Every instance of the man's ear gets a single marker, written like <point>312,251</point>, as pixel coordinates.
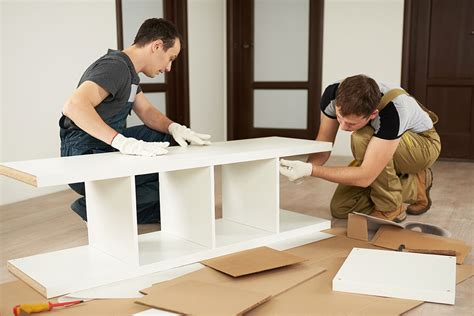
<point>374,114</point>
<point>156,45</point>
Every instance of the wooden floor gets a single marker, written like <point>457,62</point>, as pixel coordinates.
<point>46,223</point>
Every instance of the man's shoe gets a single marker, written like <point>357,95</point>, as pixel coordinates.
<point>424,181</point>
<point>397,216</point>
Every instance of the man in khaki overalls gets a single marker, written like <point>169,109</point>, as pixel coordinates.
<point>393,143</point>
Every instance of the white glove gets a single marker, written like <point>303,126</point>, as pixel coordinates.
<point>182,134</point>
<point>294,169</point>
<point>132,146</point>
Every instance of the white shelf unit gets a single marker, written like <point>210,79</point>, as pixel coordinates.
<point>251,216</point>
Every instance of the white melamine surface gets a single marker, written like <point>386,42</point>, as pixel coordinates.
<point>78,268</point>
<point>63,170</point>
<point>160,246</point>
<point>292,220</point>
<point>414,276</point>
<point>229,233</point>
<point>187,204</point>
<point>112,218</point>
<point>251,193</point>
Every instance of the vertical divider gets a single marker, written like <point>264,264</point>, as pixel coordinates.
<point>112,217</point>
<point>251,194</point>
<point>187,205</point>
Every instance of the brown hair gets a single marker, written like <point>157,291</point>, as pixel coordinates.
<point>154,29</point>
<point>358,95</point>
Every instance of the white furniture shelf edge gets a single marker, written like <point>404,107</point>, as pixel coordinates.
<point>63,170</point>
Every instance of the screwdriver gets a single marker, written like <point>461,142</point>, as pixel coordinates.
<point>41,307</point>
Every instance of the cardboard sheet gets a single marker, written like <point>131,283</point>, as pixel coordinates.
<point>363,227</point>
<point>192,297</point>
<point>272,282</point>
<point>252,261</point>
<point>391,237</point>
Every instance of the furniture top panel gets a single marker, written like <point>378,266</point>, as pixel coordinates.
<point>63,170</point>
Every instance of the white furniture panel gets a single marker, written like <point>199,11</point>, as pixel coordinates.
<point>59,272</point>
<point>112,218</point>
<point>187,204</point>
<point>62,170</point>
<point>251,194</point>
<point>430,278</point>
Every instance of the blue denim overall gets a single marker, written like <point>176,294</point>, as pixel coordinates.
<point>77,142</point>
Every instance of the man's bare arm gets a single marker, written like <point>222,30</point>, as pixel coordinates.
<point>80,108</point>
<point>150,115</point>
<point>378,154</point>
<point>327,133</point>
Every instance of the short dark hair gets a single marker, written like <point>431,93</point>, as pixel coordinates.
<point>358,95</point>
<point>154,29</point>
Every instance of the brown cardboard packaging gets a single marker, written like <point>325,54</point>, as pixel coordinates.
<point>392,237</point>
<point>271,282</point>
<point>387,234</point>
<point>191,297</point>
<point>252,261</point>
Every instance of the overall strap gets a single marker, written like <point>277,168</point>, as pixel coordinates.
<point>389,96</point>
<point>392,94</point>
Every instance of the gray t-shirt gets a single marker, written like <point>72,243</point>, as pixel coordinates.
<point>115,73</point>
<point>402,114</point>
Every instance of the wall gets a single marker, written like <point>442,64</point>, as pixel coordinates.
<point>362,36</point>
<point>207,67</point>
<point>46,46</point>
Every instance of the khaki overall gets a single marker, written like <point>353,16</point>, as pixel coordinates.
<point>396,184</point>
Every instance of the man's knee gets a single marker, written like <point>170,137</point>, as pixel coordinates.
<point>339,208</point>
<point>360,140</point>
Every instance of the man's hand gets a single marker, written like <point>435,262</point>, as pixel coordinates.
<point>132,146</point>
<point>294,169</point>
<point>182,134</point>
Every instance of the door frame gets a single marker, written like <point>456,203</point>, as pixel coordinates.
<point>176,86</point>
<point>240,83</point>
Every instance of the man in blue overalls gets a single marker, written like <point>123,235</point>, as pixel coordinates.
<point>94,117</point>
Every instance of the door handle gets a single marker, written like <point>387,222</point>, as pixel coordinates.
<point>247,45</point>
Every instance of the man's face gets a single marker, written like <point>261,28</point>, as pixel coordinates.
<point>161,60</point>
<point>353,122</point>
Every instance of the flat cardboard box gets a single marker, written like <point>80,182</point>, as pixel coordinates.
<point>271,282</point>
<point>252,261</point>
<point>387,234</point>
<point>191,297</point>
<point>358,223</point>
<point>392,237</point>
